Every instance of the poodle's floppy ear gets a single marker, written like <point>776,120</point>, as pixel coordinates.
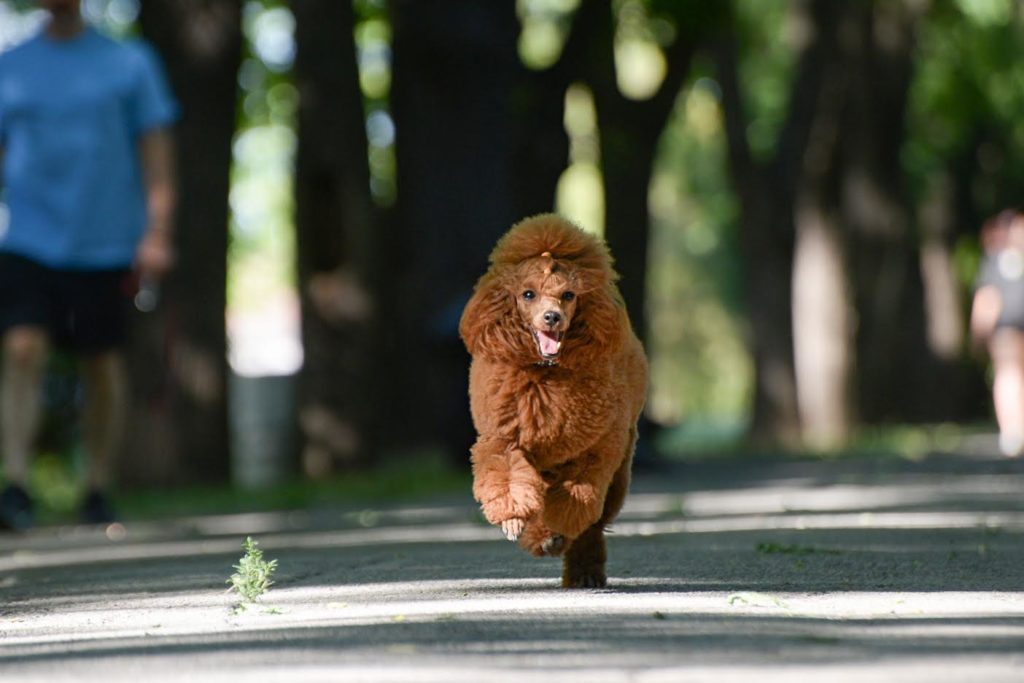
<point>601,321</point>
<point>489,306</point>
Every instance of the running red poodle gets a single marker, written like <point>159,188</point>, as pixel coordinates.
<point>556,386</point>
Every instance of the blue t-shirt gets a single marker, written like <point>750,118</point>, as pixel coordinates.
<point>71,113</point>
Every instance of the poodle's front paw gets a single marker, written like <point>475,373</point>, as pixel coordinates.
<point>499,510</point>
<point>521,503</point>
<point>512,528</point>
<point>507,486</point>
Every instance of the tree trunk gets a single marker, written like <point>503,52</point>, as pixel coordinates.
<point>334,229</point>
<point>627,167</point>
<point>768,194</point>
<point>956,390</point>
<point>766,250</point>
<point>891,339</point>
<point>540,151</point>
<point>629,134</point>
<point>823,322</point>
<point>822,328</point>
<point>944,313</point>
<point>200,42</point>
<point>455,65</point>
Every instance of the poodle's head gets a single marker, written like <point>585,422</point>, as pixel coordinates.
<point>547,301</point>
<point>548,298</point>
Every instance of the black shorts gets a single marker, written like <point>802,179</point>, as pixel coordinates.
<point>83,310</point>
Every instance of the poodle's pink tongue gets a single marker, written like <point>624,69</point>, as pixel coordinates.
<point>549,344</point>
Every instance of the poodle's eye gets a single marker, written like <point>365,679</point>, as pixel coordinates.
<point>568,296</point>
<point>529,294</point>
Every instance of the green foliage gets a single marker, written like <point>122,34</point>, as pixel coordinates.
<point>701,369</point>
<point>261,254</point>
<point>963,125</point>
<point>965,102</point>
<point>262,248</point>
<point>20,18</point>
<point>403,478</point>
<point>252,577</point>
<point>268,95</point>
<point>373,47</point>
<point>722,440</point>
<point>545,26</point>
<point>768,37</point>
<point>963,120</point>
<point>54,484</point>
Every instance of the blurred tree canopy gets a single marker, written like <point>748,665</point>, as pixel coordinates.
<point>792,190</point>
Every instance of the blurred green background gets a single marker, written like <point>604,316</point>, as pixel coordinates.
<point>378,150</point>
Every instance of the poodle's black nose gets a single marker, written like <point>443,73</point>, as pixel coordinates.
<point>552,317</point>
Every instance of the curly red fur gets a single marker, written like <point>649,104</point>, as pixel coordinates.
<point>556,432</point>
<point>488,326</point>
<point>552,234</point>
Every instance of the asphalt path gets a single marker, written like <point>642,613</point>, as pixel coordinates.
<point>763,570</point>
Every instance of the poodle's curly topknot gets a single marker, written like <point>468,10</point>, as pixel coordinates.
<point>490,325</point>
<point>548,232</point>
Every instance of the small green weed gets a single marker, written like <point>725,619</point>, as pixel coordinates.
<point>756,600</point>
<point>781,549</point>
<point>253,575</point>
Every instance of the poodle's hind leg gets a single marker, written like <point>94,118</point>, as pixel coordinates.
<point>538,540</point>
<point>507,486</point>
<point>583,564</point>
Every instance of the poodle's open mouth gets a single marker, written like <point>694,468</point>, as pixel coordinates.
<point>549,343</point>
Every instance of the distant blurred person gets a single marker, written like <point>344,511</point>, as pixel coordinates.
<point>997,321</point>
<point>86,171</point>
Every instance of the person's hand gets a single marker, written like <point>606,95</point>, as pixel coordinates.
<point>155,256</point>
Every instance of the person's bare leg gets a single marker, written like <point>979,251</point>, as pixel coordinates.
<point>1008,388</point>
<point>103,415</point>
<point>26,349</point>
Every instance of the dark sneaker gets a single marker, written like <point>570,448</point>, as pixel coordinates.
<point>15,509</point>
<point>96,509</point>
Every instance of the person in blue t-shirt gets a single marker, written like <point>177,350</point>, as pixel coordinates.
<point>86,173</point>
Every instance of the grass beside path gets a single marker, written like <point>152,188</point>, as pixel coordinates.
<point>401,480</point>
<point>57,488</point>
